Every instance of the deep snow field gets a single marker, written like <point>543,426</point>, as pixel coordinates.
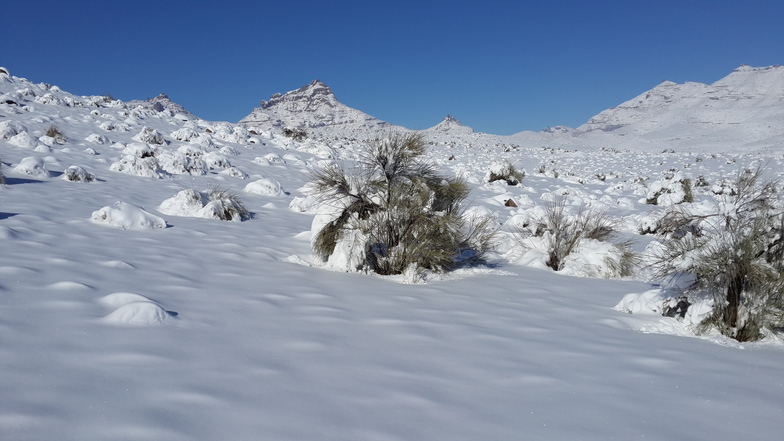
<point>130,321</point>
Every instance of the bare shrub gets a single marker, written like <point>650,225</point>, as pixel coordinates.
<point>55,133</point>
<point>505,172</point>
<point>688,194</point>
<point>295,134</point>
<point>398,210</point>
<point>226,205</point>
<point>563,231</point>
<point>75,173</point>
<point>736,252</point>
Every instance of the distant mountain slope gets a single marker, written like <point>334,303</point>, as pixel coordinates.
<point>314,108</point>
<point>743,108</point>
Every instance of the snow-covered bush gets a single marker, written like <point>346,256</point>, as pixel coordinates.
<point>23,140</point>
<point>2,178</point>
<point>214,203</point>
<point>225,205</point>
<point>234,172</point>
<point>393,213</point>
<point>673,189</point>
<point>55,133</point>
<point>560,233</point>
<point>184,134</point>
<point>114,127</point>
<point>270,158</point>
<point>139,149</point>
<point>134,165</point>
<point>150,136</point>
<point>179,163</point>
<point>10,128</point>
<point>504,171</point>
<point>32,167</point>
<point>97,139</point>
<point>75,173</point>
<point>735,248</point>
<point>216,161</point>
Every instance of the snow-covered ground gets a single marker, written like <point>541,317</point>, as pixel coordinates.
<point>129,312</point>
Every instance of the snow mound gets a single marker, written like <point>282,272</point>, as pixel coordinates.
<point>127,217</point>
<point>138,313</point>
<point>32,167</point>
<point>117,299</point>
<point>307,204</point>
<point>134,309</point>
<point>69,286</point>
<point>266,187</point>
<point>23,140</point>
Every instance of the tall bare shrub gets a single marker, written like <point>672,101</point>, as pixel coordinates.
<point>398,209</point>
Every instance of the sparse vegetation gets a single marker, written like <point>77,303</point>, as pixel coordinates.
<point>688,195</point>
<point>736,252</point>
<point>295,134</point>
<point>396,212</point>
<point>75,173</point>
<point>55,133</point>
<point>505,172</point>
<point>673,189</point>
<point>562,232</point>
<point>226,205</point>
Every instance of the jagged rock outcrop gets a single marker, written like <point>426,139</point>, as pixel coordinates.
<point>162,103</point>
<point>312,108</point>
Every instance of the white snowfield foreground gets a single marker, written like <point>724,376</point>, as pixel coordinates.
<point>150,319</point>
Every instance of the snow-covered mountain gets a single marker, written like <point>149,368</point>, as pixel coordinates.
<point>745,109</point>
<point>313,108</point>
<point>450,124</point>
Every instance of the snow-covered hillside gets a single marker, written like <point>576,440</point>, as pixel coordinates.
<point>128,310</point>
<point>743,110</point>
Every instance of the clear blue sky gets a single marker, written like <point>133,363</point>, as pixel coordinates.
<point>498,66</point>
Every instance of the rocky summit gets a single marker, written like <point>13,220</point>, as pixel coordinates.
<point>313,108</point>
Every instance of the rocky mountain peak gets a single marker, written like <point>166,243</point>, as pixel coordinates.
<point>452,125</point>
<point>312,106</point>
<point>308,97</point>
<point>162,103</point>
